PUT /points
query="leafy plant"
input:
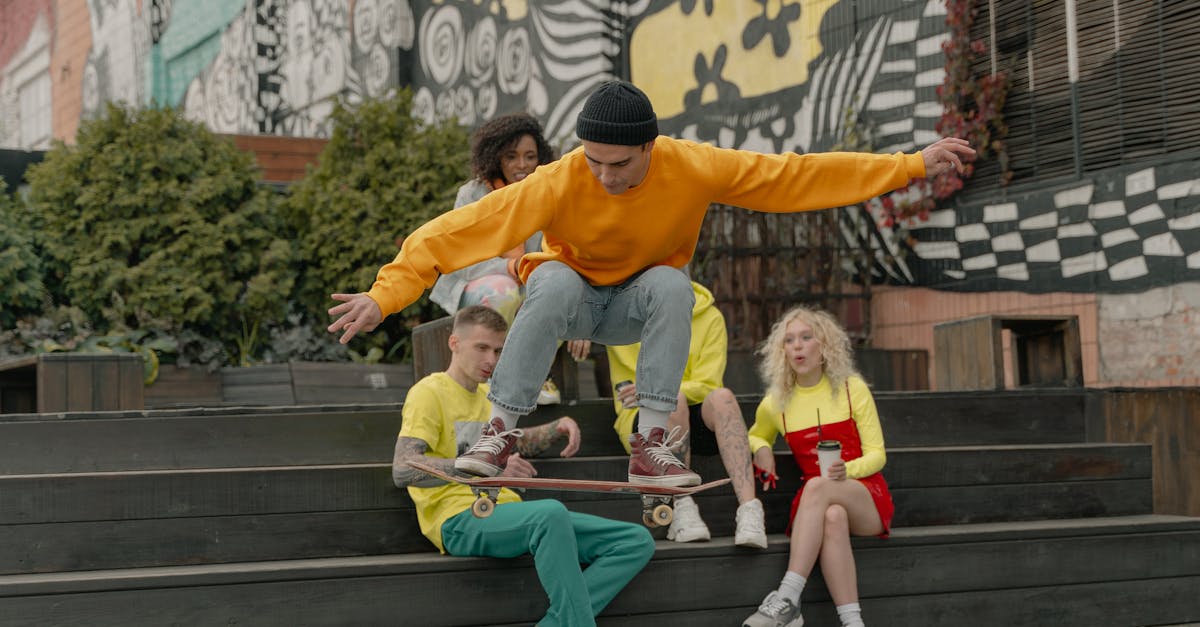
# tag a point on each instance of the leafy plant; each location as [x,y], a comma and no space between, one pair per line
[21,288]
[972,108]
[151,223]
[382,174]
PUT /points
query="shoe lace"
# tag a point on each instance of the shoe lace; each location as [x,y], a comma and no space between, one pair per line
[660,453]
[493,444]
[775,605]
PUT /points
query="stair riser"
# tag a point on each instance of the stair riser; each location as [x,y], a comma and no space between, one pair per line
[51,547]
[1116,579]
[99,442]
[121,496]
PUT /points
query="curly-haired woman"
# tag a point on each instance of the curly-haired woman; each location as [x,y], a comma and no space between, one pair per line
[814,393]
[503,151]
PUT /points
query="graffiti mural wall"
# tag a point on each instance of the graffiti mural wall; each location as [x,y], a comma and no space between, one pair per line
[788,76]
[769,75]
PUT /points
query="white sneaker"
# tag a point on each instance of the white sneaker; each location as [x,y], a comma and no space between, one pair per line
[751,530]
[549,394]
[775,611]
[687,526]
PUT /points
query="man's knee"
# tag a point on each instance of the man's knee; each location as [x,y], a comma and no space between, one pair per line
[670,285]
[553,277]
[711,409]
[640,541]
[549,513]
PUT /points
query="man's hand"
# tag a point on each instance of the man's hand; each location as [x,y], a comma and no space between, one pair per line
[579,349]
[628,395]
[358,312]
[946,154]
[567,427]
[518,467]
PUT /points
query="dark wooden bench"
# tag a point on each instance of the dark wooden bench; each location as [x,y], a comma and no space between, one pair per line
[315,383]
[969,353]
[59,382]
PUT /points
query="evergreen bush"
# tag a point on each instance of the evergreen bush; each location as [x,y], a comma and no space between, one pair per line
[21,289]
[152,223]
[382,174]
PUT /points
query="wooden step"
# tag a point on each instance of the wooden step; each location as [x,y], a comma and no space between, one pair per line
[82,521]
[1112,571]
[347,434]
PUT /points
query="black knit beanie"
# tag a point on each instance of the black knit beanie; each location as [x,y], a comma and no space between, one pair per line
[617,113]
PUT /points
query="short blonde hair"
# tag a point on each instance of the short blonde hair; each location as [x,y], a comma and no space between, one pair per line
[837,359]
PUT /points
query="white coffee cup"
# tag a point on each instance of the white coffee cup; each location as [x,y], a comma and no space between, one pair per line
[829,452]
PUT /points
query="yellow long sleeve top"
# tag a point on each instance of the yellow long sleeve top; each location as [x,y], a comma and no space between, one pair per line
[608,238]
[801,410]
[705,369]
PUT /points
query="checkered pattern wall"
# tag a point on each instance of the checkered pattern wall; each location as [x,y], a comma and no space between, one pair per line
[1119,231]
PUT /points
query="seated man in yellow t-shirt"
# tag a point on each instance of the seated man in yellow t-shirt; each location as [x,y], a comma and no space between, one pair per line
[444,414]
[706,417]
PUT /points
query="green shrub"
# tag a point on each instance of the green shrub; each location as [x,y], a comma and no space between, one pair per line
[21,289]
[382,174]
[152,223]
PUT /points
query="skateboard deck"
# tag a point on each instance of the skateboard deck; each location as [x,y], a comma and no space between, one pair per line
[656,508]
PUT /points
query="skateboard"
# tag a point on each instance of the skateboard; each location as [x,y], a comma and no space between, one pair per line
[656,500]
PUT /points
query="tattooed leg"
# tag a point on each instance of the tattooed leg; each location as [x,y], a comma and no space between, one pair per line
[680,418]
[723,416]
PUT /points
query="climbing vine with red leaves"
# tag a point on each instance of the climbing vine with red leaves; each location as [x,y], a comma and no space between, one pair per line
[972,108]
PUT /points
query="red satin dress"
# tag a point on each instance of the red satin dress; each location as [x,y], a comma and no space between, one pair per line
[804,449]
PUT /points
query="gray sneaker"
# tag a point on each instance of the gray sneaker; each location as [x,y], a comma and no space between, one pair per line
[775,611]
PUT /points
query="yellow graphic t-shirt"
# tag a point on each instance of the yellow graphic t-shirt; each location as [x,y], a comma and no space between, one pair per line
[449,419]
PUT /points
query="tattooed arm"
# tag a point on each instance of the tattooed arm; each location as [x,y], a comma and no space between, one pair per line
[414,449]
[537,440]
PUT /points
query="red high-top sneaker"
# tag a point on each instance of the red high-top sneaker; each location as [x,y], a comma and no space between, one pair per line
[653,463]
[489,455]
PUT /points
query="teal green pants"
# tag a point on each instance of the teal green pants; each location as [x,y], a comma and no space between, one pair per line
[560,542]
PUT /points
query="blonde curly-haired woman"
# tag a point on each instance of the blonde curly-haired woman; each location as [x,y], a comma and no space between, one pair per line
[814,393]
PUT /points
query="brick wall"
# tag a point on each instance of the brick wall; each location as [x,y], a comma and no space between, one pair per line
[903,317]
[1151,338]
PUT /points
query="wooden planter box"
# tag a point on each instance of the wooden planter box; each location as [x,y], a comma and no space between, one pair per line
[315,383]
[60,382]
[184,387]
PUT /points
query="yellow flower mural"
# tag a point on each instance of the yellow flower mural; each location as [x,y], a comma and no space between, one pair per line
[761,46]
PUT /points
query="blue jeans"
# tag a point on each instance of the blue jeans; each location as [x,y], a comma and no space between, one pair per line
[653,307]
[560,541]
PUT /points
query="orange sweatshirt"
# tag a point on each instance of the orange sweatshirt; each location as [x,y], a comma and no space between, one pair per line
[609,238]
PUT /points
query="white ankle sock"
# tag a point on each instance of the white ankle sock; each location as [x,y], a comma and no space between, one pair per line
[791,587]
[509,418]
[651,418]
[851,615]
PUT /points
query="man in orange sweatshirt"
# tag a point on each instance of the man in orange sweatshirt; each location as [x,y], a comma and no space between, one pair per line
[620,215]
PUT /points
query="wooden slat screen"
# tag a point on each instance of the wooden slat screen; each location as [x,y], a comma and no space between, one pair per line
[1137,93]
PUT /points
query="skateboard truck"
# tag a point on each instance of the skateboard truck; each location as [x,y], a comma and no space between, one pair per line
[657,511]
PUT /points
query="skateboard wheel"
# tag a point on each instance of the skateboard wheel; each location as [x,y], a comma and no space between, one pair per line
[648,520]
[663,515]
[483,507]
